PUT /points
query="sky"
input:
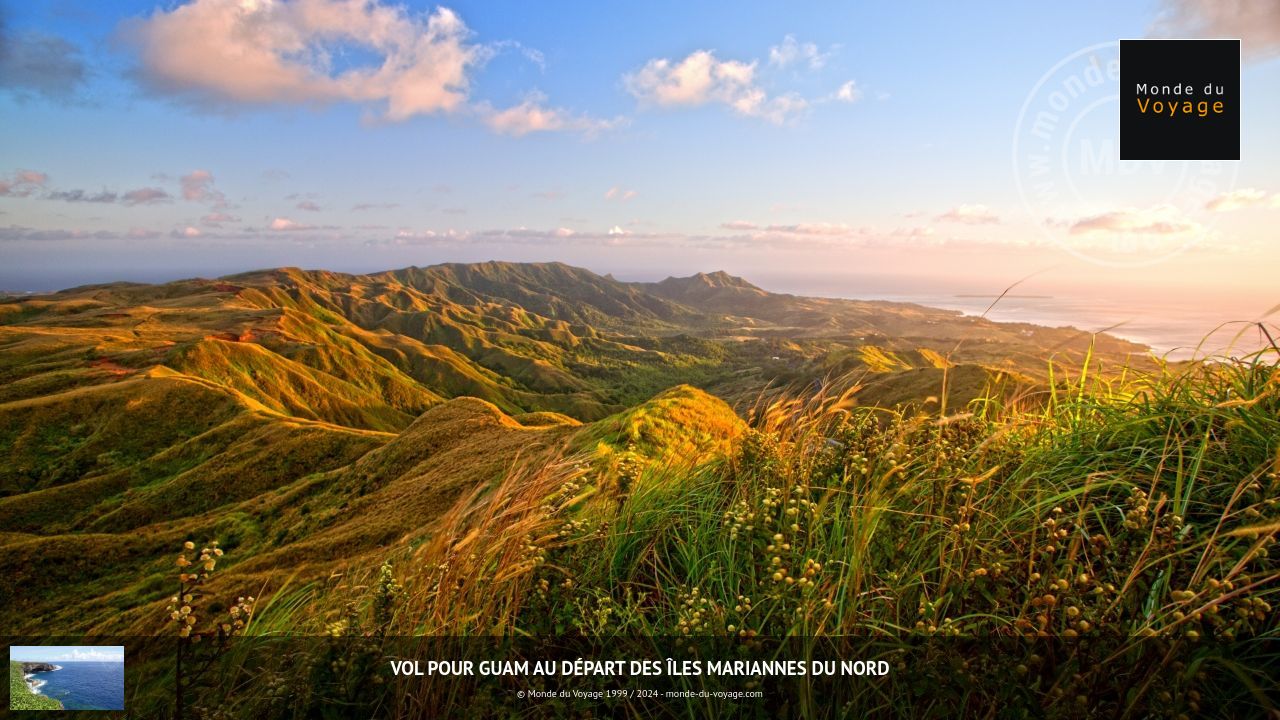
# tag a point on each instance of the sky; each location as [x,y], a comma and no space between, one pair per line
[852,149]
[67,653]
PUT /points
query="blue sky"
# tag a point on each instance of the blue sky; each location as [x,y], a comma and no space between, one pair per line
[869,142]
[67,653]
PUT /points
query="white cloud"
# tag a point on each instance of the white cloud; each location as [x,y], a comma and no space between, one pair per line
[533,115]
[791,52]
[1255,22]
[970,215]
[91,654]
[617,231]
[285,224]
[190,232]
[275,52]
[1242,198]
[1157,220]
[701,78]
[849,92]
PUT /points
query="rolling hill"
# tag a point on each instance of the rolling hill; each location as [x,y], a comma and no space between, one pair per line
[310,418]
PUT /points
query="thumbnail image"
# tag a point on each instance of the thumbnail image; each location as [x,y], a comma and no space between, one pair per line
[66,677]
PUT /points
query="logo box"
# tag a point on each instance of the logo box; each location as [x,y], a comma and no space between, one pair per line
[1180,99]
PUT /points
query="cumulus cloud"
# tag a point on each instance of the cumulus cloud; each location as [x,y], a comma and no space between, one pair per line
[1242,198]
[22,183]
[187,232]
[532,115]
[34,64]
[277,52]
[113,654]
[1255,22]
[1158,220]
[970,215]
[791,52]
[701,78]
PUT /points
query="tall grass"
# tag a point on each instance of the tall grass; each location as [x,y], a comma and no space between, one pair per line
[1140,505]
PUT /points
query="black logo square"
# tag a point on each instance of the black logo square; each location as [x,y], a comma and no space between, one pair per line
[1179,99]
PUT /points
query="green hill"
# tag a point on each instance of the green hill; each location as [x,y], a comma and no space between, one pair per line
[20,695]
[309,419]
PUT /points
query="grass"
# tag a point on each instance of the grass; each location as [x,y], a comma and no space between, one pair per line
[1115,508]
[20,695]
[998,501]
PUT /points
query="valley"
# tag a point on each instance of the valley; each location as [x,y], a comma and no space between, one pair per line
[308,419]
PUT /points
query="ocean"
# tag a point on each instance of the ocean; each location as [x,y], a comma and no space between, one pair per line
[1175,324]
[1173,331]
[84,685]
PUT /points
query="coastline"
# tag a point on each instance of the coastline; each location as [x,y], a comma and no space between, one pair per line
[24,687]
[34,682]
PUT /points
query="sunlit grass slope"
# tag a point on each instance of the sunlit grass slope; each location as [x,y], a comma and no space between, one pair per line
[1111,509]
[308,418]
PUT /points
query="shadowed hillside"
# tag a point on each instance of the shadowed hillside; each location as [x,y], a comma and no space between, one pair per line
[307,418]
